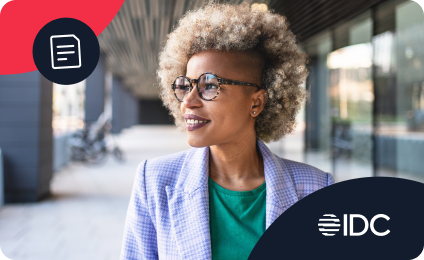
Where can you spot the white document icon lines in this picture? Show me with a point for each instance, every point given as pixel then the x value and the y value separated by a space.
pixel 63 54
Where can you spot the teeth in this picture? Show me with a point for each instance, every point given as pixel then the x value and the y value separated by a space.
pixel 192 121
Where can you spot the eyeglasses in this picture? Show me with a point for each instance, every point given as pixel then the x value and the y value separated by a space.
pixel 208 86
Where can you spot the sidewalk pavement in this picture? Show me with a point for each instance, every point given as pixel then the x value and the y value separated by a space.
pixel 84 218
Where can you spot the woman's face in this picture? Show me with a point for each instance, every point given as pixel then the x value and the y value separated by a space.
pixel 229 116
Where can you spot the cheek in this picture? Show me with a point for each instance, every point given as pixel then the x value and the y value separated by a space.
pixel 232 114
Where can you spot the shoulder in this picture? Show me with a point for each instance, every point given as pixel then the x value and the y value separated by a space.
pixel 307 178
pixel 166 163
pixel 305 172
pixel 162 170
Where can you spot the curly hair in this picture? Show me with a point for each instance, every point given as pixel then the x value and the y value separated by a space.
pixel 224 27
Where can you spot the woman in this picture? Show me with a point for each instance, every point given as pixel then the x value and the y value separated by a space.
pixel 231 76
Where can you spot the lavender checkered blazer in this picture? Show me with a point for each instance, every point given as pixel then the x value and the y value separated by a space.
pixel 168 213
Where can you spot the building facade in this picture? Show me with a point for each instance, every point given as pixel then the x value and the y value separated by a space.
pixel 365 115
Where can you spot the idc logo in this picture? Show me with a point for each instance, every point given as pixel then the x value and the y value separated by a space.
pixel 329 225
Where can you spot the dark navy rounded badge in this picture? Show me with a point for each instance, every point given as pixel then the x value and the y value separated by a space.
pixel 66 51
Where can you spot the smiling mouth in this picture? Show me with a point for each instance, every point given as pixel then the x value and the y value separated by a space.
pixel 194 124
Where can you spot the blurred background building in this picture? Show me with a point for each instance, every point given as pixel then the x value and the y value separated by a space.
pixel 365 116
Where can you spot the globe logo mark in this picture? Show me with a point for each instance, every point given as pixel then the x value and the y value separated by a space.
pixel 329 225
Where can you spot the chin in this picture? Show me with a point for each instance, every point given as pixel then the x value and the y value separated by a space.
pixel 197 142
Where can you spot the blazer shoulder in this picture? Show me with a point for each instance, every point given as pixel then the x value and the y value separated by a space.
pixel 163 170
pixel 166 162
pixel 304 171
pixel 307 178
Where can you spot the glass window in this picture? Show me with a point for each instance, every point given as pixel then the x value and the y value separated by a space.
pixel 352 96
pixel 365 115
pixel 399 80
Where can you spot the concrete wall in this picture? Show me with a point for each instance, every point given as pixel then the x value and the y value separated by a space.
pixel 26 136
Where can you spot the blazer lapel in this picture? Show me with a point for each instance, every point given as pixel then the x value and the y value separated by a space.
pixel 280 189
pixel 188 204
pixel 188 201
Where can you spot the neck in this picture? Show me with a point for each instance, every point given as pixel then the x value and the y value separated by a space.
pixel 237 165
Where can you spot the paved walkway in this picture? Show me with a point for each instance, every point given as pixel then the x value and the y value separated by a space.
pixel 84 219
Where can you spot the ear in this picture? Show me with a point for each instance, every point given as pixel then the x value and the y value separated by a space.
pixel 259 99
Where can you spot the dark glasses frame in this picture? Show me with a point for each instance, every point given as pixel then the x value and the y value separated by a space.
pixel 221 81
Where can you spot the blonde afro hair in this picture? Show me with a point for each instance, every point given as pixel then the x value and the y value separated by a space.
pixel 224 27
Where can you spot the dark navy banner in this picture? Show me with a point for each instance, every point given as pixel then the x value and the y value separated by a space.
pixel 366 218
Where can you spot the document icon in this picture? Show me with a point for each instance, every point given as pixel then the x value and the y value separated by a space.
pixel 65 51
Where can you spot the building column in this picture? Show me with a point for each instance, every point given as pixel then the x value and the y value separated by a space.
pixel 128 108
pixel 26 136
pixel 136 109
pixel 131 109
pixel 118 105
pixel 95 91
pixel 124 106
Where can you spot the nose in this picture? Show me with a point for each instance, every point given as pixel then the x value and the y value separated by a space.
pixel 192 99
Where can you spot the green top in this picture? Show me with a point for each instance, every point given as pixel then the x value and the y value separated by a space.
pixel 237 220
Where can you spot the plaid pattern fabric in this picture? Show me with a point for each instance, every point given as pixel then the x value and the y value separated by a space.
pixel 168 213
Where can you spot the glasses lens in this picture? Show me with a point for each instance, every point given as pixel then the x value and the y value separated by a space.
pixel 181 87
pixel 208 86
